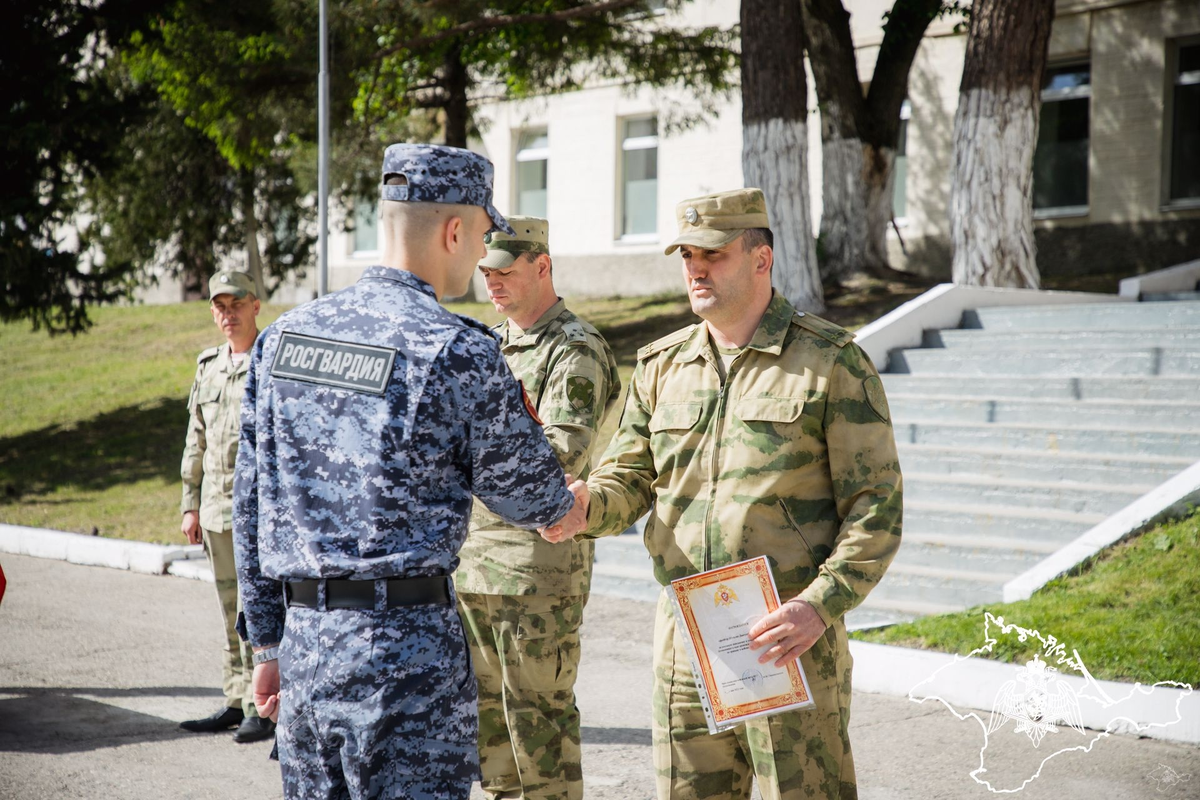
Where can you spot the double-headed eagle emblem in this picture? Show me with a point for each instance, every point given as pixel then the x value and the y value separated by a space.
pixel 1039 707
pixel 724 596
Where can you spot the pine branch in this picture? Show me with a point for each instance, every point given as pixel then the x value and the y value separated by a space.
pixel 504 21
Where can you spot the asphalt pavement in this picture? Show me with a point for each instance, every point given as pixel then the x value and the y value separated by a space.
pixel 98 667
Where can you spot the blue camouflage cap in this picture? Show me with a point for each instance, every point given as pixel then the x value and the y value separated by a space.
pixel 440 174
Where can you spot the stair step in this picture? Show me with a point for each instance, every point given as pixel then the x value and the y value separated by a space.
pixel 878 612
pixel 1085 467
pixel 1137 361
pixel 1007 556
pixel 1117 315
pixel 1071 496
pixel 1012 522
pixel 1073 339
pixel 1058 438
pixel 996 386
pixel 1179 415
pixel 952 587
pixel 1161 297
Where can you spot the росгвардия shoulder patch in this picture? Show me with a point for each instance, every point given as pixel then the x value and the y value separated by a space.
pixel 343 365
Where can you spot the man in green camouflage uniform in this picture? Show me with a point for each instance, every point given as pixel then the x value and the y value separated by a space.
pixel 214 413
pixel 522 598
pixel 762 431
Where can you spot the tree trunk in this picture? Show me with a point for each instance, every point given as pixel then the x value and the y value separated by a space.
pixel 858 131
pixel 253 256
pixel 995 134
pixel 775 142
pixel 455 83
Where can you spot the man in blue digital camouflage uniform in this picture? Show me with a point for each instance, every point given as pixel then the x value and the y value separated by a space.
pixel 370 417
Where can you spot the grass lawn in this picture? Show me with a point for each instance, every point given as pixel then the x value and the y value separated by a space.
pixel 1133 614
pixel 92 426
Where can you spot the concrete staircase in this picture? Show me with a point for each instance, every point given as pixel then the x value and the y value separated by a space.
pixel 1017 432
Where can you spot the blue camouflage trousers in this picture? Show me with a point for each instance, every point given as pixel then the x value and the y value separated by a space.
pixel 377 704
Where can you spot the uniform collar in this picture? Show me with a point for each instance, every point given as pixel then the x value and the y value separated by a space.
pixel 515 336
pixel 400 276
pixel 773 327
pixel 768 338
pixel 225 360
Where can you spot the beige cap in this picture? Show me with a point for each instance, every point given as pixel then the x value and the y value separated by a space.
pixel 715 220
pixel 531 235
pixel 228 281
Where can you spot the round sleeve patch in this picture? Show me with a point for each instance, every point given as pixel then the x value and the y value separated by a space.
pixel 581 392
pixel 873 387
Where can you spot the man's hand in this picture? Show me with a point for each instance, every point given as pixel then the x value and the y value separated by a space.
pixel 264 685
pixel 575 520
pixel 792 628
pixel 191 527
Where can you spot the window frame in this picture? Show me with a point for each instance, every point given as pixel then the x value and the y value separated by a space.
pixel 626 144
pixel 526 155
pixel 355 252
pixel 1171 79
pixel 1059 95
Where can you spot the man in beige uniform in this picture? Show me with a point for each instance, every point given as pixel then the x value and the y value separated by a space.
pixel 761 431
pixel 214 412
pixel 522 598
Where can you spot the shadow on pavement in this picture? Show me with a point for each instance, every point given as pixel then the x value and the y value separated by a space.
pixel 59 721
pixel 605 735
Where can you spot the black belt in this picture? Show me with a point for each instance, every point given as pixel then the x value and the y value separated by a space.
pixel 346 593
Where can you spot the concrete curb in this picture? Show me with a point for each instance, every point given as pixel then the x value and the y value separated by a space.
pixel 899 671
pixel 94 551
pixel 943 306
pixel 196 569
pixel 1168 501
pixel 1180 278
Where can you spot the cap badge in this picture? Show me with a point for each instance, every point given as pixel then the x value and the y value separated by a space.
pixel 224 279
pixel 691 215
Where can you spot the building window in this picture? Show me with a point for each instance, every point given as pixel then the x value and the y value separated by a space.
pixel 900 169
pixel 1185 125
pixel 366 226
pixel 1060 162
pixel 639 178
pixel 533 159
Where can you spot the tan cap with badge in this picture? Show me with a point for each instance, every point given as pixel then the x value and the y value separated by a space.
pixel 229 281
pixel 715 220
pixel 530 235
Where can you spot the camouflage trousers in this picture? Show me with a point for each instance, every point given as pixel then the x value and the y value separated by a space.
pixel 525 649
pixel 799 754
pixel 376 704
pixel 236 663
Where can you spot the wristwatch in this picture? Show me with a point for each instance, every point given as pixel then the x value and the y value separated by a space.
pixel 269 654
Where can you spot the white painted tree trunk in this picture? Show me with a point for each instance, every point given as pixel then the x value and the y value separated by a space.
pixel 775 159
pixel 856 185
pixel 991 189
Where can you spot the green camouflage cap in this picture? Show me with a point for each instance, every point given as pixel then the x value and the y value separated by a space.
pixel 530 235
pixel 229 281
pixel 715 220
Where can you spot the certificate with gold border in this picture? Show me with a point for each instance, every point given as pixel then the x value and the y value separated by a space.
pixel 714 612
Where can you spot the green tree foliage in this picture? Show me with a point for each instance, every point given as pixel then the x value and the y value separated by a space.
pixel 443 55
pixel 60 123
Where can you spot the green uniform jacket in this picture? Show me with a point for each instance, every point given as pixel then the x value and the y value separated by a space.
pixel 210 450
pixel 792 458
pixel 571 378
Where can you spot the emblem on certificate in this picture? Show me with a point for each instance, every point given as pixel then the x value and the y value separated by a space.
pixel 714 612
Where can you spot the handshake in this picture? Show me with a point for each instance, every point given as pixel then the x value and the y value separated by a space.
pixel 575 520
